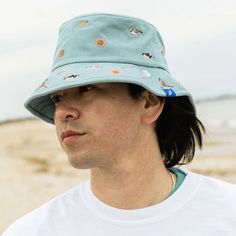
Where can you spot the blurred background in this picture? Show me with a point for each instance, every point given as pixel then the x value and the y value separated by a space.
pixel 199 38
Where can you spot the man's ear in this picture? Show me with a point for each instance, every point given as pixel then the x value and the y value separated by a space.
pixel 152 107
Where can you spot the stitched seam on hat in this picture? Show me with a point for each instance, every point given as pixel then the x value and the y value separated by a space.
pixel 112 62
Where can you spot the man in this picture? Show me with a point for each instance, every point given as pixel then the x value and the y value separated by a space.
pixel 118 111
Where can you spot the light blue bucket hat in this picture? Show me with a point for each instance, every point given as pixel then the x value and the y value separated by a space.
pixel 106 48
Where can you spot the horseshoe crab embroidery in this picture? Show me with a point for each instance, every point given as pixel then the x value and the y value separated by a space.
pixel 167 88
pixel 147 55
pixel 71 77
pixel 135 31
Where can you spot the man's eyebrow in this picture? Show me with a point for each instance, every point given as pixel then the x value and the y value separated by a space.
pixel 56 93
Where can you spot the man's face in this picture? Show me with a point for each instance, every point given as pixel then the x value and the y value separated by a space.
pixel 97 124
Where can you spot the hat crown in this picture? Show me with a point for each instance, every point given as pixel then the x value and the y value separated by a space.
pixel 105 48
pixel 109 38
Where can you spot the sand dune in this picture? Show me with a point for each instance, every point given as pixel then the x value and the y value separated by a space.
pixel 34 168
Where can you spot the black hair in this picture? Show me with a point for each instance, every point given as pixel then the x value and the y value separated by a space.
pixel 178 129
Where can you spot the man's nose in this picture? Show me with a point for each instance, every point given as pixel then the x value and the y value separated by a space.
pixel 65 112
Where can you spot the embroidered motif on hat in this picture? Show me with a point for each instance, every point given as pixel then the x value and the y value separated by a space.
pixel 43 85
pixel 60 54
pixel 135 31
pixel 146 74
pixel 167 88
pixel 70 77
pixel 177 82
pixel 115 72
pixel 81 24
pixel 93 67
pixel 147 55
pixel 61 72
pixel 128 66
pixel 100 42
pixel 162 52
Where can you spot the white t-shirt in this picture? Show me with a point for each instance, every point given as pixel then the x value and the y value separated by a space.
pixel 201 206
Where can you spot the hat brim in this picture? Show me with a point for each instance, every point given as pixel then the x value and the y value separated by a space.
pixel 156 80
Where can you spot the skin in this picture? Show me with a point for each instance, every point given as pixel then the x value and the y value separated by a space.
pixel 118 144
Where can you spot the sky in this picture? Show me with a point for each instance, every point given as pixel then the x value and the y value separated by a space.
pixel 199 38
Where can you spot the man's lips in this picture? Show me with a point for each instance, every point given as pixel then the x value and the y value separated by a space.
pixel 70 133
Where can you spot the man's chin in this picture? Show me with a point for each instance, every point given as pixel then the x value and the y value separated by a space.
pixel 82 162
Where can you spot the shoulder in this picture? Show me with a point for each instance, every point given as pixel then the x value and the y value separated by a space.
pixel 217 186
pixel 48 213
pixel 208 198
pixel 213 191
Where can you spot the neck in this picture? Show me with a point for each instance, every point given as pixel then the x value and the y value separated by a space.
pixel 141 182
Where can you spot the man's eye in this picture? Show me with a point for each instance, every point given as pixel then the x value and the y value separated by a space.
pixel 86 88
pixel 56 98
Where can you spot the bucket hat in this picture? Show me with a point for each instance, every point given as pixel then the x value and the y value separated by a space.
pixel 105 48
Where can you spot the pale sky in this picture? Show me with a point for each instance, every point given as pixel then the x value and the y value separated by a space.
pixel 199 37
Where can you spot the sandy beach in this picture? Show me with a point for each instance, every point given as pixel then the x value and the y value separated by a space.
pixel 34 169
